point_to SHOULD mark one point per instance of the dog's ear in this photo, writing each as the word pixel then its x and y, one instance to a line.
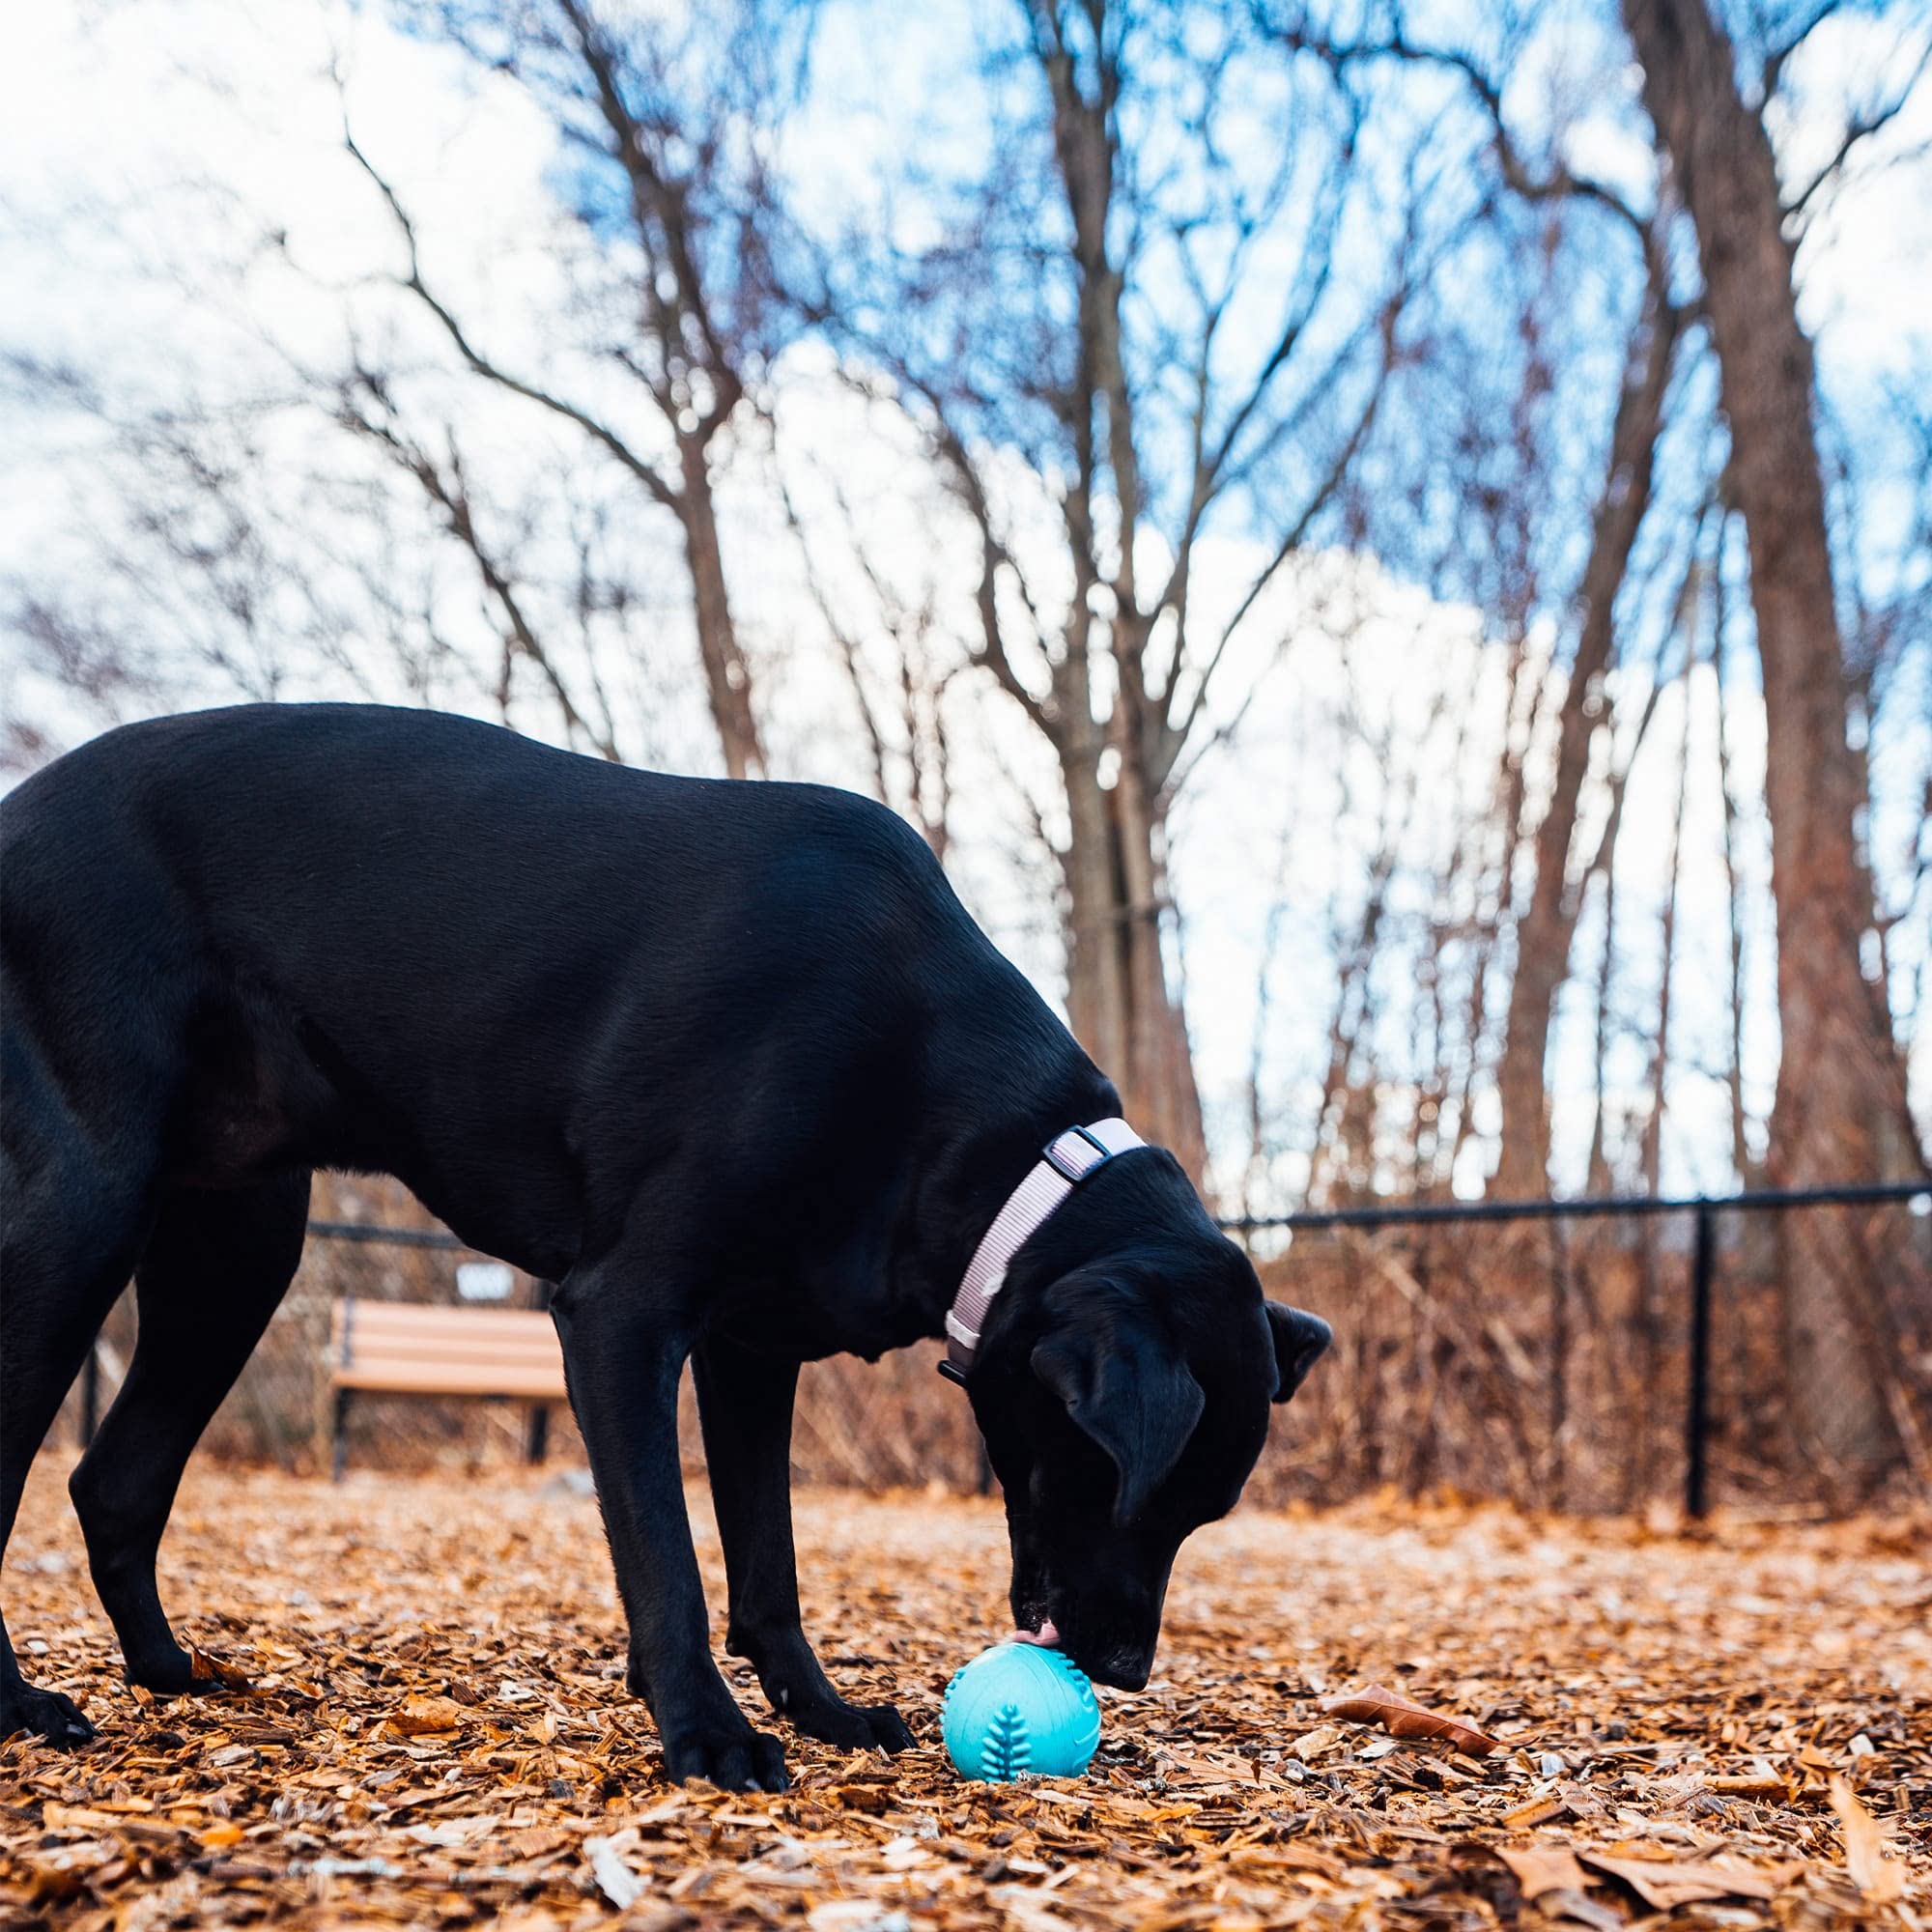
pixel 1123 1382
pixel 1299 1339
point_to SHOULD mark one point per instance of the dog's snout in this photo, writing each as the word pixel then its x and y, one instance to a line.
pixel 1125 1668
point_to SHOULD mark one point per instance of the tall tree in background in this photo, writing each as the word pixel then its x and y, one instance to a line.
pixel 1841 1112
pixel 1122 330
pixel 1548 920
pixel 1157 404
pixel 1517 519
pixel 660 116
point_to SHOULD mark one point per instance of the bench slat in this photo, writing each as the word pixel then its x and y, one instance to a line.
pixel 440 1348
pixel 377 1318
pixel 533 1381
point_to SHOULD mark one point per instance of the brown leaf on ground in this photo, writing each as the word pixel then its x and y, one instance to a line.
pixel 1668 1882
pixel 419 1717
pixel 1881 1879
pixel 1541 1868
pixel 1578 1907
pixel 209 1669
pixel 1746 1785
pixel 1403 1718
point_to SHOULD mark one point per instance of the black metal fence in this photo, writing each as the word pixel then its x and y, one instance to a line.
pixel 1910 1264
pixel 1596 1355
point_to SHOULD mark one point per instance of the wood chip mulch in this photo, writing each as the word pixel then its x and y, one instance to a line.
pixel 1729 1731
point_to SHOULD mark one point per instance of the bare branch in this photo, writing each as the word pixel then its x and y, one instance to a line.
pixel 1178 729
pixel 1558 181
pixel 447 488
pixel 1861 128
pixel 598 431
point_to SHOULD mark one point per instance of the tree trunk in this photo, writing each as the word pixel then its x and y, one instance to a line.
pixel 1604 863
pixel 1097 979
pixel 1734 899
pixel 1640 1404
pixel 1544 933
pixel 727 677
pixel 1119 1002
pixel 1840 1111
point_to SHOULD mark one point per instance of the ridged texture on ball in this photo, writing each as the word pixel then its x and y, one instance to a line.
pixel 1020 1709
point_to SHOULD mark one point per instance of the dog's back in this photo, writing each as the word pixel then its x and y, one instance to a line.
pixel 353 936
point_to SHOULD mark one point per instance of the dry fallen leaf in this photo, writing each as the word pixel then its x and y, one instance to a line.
pixel 1881 1879
pixel 1542 1810
pixel 1668 1882
pixel 1403 1718
pixel 1746 1786
pixel 617 1882
pixel 217 1670
pixel 418 1717
pixel 1541 1868
pixel 1578 1907
pixel 1028 1908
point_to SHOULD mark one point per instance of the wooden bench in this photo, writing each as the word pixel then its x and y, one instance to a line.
pixel 407 1348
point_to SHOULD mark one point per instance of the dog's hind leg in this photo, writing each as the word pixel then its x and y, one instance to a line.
pixel 214 1272
pixel 66 1255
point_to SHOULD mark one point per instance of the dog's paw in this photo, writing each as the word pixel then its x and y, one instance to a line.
pixel 734 1759
pixel 176 1672
pixel 855 1727
pixel 44 1714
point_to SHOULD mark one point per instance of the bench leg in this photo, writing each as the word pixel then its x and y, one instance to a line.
pixel 536 1444
pixel 338 1454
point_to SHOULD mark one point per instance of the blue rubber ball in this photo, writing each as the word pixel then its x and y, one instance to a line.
pixel 1020 1709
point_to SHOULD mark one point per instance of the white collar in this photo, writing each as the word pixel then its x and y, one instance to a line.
pixel 1077 1153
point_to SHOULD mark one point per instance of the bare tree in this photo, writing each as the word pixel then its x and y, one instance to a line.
pixel 1841 1109
pixel 901 701
pixel 663 117
pixel 366 406
pixel 1542 924
pixel 1069 339
pixel 219 569
pixel 1543 932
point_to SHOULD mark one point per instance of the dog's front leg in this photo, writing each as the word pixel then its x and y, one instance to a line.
pixel 622 1357
pixel 745 1405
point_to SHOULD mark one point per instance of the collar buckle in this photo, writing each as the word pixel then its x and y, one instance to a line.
pixel 1062 1159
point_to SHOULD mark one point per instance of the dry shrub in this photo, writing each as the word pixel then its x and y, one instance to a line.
pixel 1543 1363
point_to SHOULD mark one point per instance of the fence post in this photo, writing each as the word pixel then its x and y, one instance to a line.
pixel 1696 1417
pixel 90 1396
pixel 338 1451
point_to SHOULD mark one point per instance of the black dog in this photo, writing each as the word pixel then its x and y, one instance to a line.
pixel 729 1063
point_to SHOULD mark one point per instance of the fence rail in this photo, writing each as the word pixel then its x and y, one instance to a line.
pixel 378 1236
pixel 1588 1206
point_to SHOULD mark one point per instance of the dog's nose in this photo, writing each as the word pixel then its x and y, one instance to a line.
pixel 1123 1670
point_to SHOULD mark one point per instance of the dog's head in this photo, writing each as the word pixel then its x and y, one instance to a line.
pixel 1123 1405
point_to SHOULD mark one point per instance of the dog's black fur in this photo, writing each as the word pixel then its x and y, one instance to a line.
pixel 728 1063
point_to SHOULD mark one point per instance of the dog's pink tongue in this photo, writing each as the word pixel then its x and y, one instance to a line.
pixel 1047 1634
